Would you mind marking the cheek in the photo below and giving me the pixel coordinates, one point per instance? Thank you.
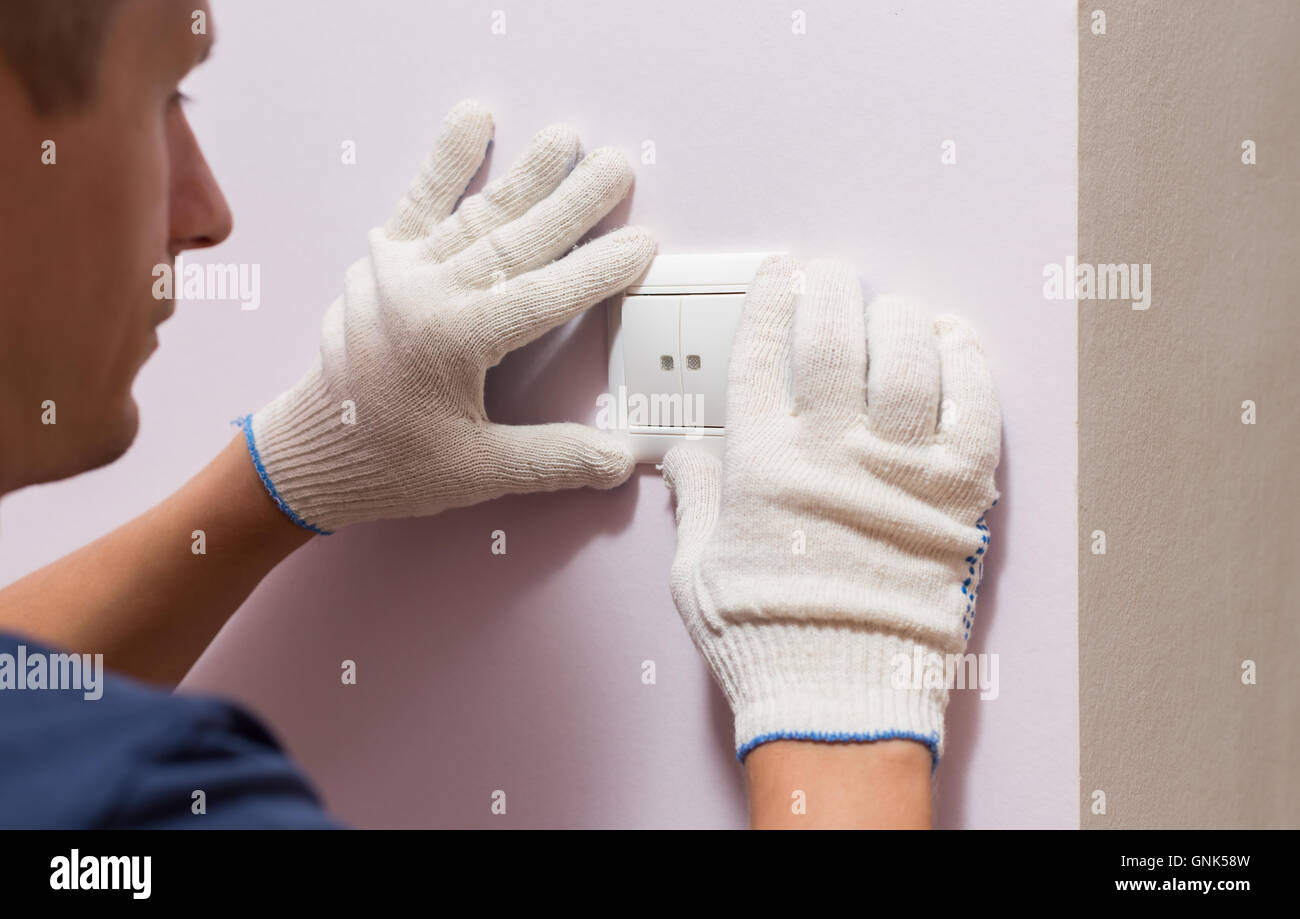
(128, 217)
(140, 207)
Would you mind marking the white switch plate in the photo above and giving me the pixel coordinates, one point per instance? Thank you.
(670, 340)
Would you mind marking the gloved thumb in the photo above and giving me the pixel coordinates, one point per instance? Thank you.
(694, 478)
(548, 457)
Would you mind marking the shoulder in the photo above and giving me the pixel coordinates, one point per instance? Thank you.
(107, 751)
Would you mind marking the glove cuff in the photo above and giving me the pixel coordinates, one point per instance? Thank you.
(831, 683)
(304, 452)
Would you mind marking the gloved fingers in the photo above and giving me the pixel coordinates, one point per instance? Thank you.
(970, 420)
(758, 375)
(829, 350)
(518, 459)
(524, 308)
(551, 155)
(446, 172)
(903, 372)
(548, 228)
(694, 479)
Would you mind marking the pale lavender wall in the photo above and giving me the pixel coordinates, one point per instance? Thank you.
(522, 672)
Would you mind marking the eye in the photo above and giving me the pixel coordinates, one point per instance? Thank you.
(180, 98)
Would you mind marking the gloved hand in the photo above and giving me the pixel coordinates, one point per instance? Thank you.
(389, 420)
(841, 538)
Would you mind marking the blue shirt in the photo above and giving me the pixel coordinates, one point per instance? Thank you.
(134, 758)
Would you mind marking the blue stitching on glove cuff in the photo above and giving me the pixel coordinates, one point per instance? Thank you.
(247, 424)
(930, 740)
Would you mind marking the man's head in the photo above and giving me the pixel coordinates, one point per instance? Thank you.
(101, 180)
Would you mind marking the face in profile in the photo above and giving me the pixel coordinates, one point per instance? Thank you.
(96, 191)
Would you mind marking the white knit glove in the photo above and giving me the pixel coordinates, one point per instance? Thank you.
(842, 533)
(389, 421)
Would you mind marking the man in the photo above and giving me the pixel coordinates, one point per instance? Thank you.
(389, 422)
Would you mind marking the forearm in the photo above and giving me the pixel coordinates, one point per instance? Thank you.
(811, 785)
(141, 595)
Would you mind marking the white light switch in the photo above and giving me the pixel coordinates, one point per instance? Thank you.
(651, 356)
(669, 345)
(708, 325)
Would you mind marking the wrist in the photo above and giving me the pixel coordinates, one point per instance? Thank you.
(800, 785)
(298, 444)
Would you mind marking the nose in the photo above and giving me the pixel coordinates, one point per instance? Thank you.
(200, 215)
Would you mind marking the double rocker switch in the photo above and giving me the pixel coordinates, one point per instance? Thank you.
(680, 346)
(670, 340)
